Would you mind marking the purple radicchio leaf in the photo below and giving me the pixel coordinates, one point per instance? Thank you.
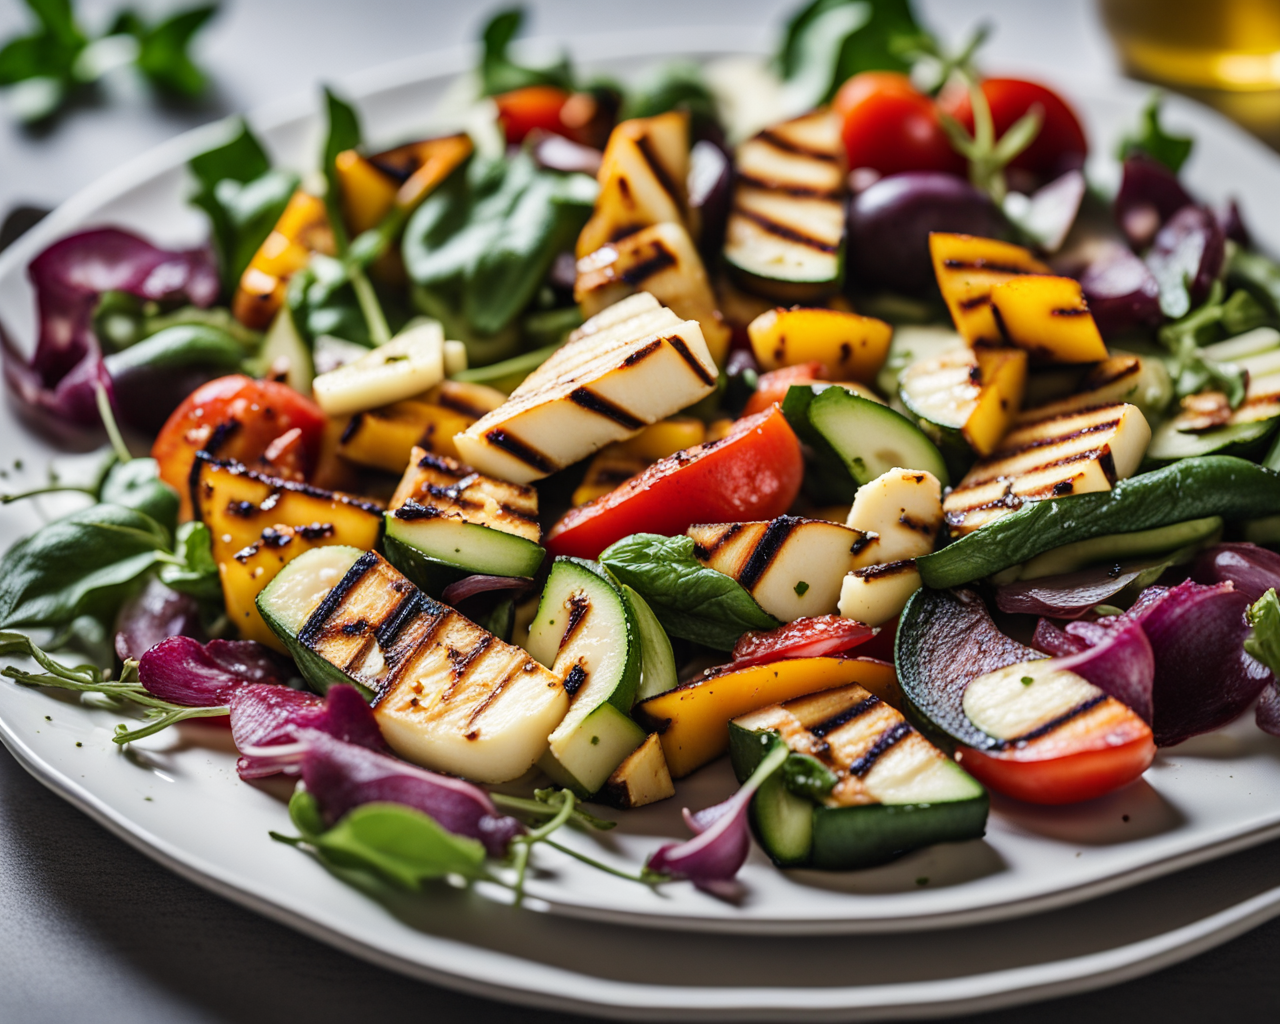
(1149, 195)
(342, 776)
(1253, 570)
(58, 384)
(1232, 223)
(182, 670)
(711, 860)
(153, 614)
(266, 722)
(1056, 642)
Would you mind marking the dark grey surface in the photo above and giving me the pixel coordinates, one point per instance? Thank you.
(91, 929)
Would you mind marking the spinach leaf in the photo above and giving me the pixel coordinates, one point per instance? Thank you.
(194, 572)
(136, 485)
(1264, 640)
(677, 86)
(243, 198)
(81, 565)
(323, 301)
(499, 73)
(401, 845)
(828, 41)
(1151, 138)
(1257, 274)
(344, 134)
(483, 242)
(689, 599)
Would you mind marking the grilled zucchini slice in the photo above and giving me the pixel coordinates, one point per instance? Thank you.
(860, 787)
(586, 633)
(446, 694)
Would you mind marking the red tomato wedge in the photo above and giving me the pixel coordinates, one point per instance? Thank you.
(750, 474)
(265, 425)
(773, 386)
(1058, 147)
(889, 126)
(536, 106)
(809, 637)
(1096, 752)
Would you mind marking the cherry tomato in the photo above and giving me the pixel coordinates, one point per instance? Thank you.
(1109, 750)
(809, 637)
(752, 473)
(890, 127)
(535, 106)
(261, 423)
(773, 386)
(1058, 147)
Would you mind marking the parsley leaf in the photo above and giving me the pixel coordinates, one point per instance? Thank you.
(1151, 138)
(1264, 640)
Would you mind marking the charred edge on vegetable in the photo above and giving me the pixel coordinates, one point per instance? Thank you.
(638, 273)
(1048, 727)
(412, 511)
(785, 232)
(493, 694)
(574, 680)
(587, 399)
(315, 531)
(352, 428)
(887, 739)
(204, 458)
(777, 141)
(643, 353)
(789, 188)
(311, 631)
(682, 349)
(703, 553)
(579, 605)
(988, 265)
(460, 661)
(659, 171)
(516, 448)
(846, 716)
(221, 434)
(876, 572)
(1073, 311)
(405, 612)
(452, 400)
(766, 550)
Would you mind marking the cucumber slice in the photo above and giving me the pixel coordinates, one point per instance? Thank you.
(1169, 444)
(586, 633)
(1251, 343)
(1123, 546)
(871, 438)
(289, 600)
(657, 660)
(434, 551)
(284, 349)
(783, 821)
(880, 833)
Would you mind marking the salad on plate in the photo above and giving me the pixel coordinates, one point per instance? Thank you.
(820, 411)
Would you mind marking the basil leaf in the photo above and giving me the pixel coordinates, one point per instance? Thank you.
(1263, 641)
(397, 843)
(499, 73)
(689, 599)
(343, 134)
(1257, 274)
(322, 301)
(48, 52)
(677, 86)
(1151, 138)
(197, 574)
(136, 485)
(162, 51)
(81, 565)
(243, 198)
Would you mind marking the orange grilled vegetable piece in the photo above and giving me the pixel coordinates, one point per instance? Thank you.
(849, 346)
(967, 268)
(302, 229)
(694, 718)
(1049, 318)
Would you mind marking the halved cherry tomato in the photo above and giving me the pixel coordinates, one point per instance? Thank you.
(261, 423)
(809, 637)
(1058, 147)
(773, 386)
(752, 473)
(535, 106)
(889, 126)
(1101, 750)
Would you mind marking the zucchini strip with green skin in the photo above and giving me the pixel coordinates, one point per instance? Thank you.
(1212, 485)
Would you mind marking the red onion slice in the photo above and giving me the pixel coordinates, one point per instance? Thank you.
(153, 614)
(472, 585)
(266, 722)
(1253, 570)
(184, 671)
(1069, 595)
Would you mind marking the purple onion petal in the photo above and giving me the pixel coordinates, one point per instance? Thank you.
(1053, 641)
(1149, 195)
(266, 722)
(342, 776)
(1066, 596)
(249, 661)
(472, 585)
(1252, 569)
(1232, 223)
(1186, 257)
(1268, 712)
(58, 383)
(1121, 291)
(1119, 662)
(153, 614)
(712, 859)
(182, 670)
(556, 153)
(1051, 210)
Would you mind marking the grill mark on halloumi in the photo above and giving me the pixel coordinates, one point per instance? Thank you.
(762, 556)
(884, 741)
(335, 597)
(778, 141)
(641, 354)
(678, 343)
(589, 400)
(784, 232)
(405, 612)
(787, 187)
(645, 145)
(513, 446)
(704, 552)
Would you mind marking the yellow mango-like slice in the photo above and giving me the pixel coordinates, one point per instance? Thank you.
(1048, 317)
(851, 347)
(968, 267)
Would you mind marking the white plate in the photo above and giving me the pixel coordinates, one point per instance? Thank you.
(1200, 801)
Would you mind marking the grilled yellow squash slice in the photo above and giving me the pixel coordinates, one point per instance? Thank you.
(968, 268)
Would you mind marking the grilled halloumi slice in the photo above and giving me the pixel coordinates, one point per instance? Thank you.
(613, 378)
(1139, 380)
(786, 225)
(451, 489)
(968, 268)
(1074, 453)
(877, 593)
(405, 366)
(642, 177)
(449, 695)
(900, 512)
(663, 261)
(793, 567)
